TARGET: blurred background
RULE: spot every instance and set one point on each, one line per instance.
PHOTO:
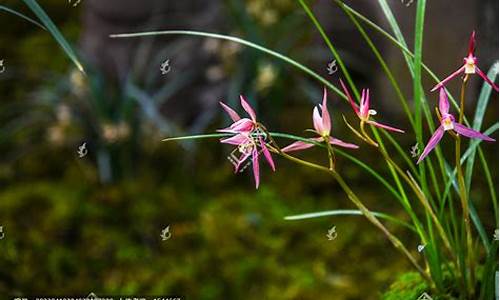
(78, 225)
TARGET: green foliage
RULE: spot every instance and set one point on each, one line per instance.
(408, 286)
(67, 236)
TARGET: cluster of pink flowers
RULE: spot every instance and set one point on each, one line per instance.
(447, 120)
(251, 138)
(322, 127)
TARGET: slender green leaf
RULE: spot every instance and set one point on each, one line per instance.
(482, 103)
(452, 182)
(329, 43)
(239, 41)
(382, 62)
(372, 172)
(347, 212)
(197, 137)
(490, 274)
(417, 68)
(52, 28)
(471, 149)
(2, 7)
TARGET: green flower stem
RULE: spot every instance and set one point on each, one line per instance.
(364, 210)
(463, 197)
(366, 135)
(421, 196)
(331, 155)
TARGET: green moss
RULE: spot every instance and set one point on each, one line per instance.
(409, 286)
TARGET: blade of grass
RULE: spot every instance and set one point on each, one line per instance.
(417, 74)
(402, 45)
(347, 212)
(473, 146)
(239, 41)
(482, 103)
(2, 7)
(409, 162)
(385, 67)
(397, 31)
(327, 40)
(329, 43)
(371, 171)
(52, 28)
(452, 182)
(490, 269)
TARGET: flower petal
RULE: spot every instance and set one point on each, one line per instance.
(472, 43)
(364, 106)
(325, 115)
(255, 163)
(317, 121)
(341, 143)
(297, 146)
(267, 154)
(386, 127)
(235, 140)
(351, 101)
(444, 104)
(433, 141)
(244, 125)
(232, 114)
(248, 108)
(480, 73)
(453, 75)
(471, 133)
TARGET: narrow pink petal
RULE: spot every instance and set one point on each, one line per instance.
(433, 141)
(443, 83)
(243, 125)
(341, 143)
(364, 106)
(248, 108)
(267, 154)
(235, 140)
(444, 104)
(232, 114)
(255, 163)
(351, 101)
(480, 73)
(297, 146)
(471, 133)
(472, 43)
(386, 127)
(317, 121)
(325, 115)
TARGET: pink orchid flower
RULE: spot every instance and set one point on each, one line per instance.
(322, 126)
(448, 123)
(240, 124)
(469, 67)
(248, 138)
(363, 111)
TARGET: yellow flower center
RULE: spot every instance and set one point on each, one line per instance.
(470, 66)
(448, 124)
